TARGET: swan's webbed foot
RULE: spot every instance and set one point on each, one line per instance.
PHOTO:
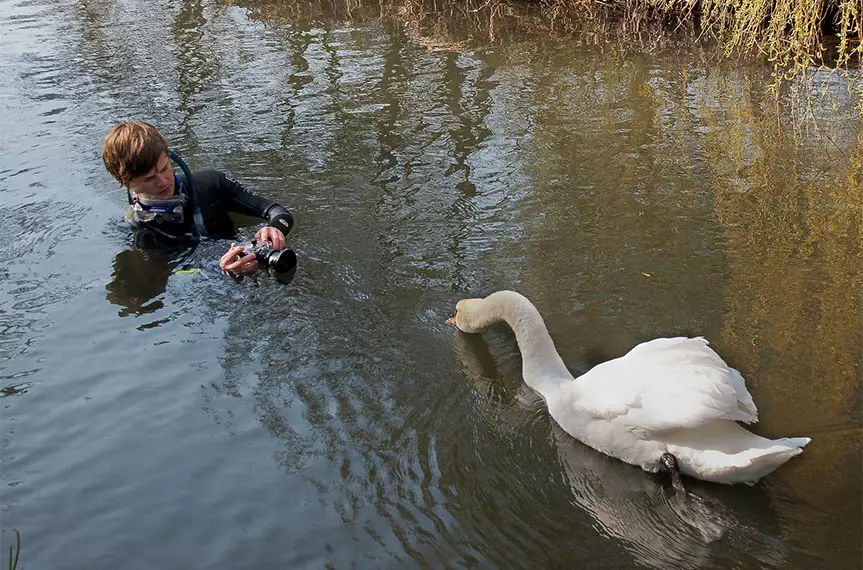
(668, 463)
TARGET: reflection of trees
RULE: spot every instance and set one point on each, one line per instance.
(120, 73)
(197, 66)
(150, 62)
(621, 206)
(793, 305)
(418, 114)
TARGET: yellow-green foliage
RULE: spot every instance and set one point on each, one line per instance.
(788, 32)
(793, 34)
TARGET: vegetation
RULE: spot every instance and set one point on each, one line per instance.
(793, 34)
(789, 32)
(13, 560)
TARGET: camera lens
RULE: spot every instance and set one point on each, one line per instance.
(280, 261)
(283, 260)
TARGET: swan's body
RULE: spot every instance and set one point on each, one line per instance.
(669, 395)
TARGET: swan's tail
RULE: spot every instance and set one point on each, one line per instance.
(744, 465)
(798, 442)
(764, 461)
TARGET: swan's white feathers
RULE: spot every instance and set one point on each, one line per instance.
(663, 384)
(669, 395)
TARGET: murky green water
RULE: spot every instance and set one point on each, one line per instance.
(179, 420)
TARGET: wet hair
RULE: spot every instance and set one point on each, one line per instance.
(132, 149)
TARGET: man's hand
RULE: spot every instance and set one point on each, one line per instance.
(272, 235)
(239, 265)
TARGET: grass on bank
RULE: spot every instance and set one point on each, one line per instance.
(13, 558)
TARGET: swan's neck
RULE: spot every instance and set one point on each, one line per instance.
(542, 366)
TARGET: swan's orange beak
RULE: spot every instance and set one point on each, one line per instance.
(451, 320)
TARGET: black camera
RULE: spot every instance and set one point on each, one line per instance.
(281, 261)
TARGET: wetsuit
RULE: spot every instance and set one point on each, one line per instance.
(217, 195)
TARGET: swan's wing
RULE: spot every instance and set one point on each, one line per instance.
(664, 384)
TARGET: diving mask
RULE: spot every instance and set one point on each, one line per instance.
(155, 209)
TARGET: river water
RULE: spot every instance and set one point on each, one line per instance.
(167, 418)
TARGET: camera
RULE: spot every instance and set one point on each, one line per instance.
(280, 261)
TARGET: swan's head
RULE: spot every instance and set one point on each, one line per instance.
(468, 316)
(476, 315)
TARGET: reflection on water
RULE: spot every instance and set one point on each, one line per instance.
(661, 528)
(328, 421)
(139, 277)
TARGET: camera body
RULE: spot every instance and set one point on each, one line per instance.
(281, 261)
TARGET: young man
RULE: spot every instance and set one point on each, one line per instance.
(167, 206)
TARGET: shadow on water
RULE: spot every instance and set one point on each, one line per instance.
(658, 527)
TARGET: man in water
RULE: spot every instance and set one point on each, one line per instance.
(167, 209)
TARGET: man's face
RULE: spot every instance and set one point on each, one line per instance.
(158, 182)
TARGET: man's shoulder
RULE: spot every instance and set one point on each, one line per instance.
(208, 175)
(211, 176)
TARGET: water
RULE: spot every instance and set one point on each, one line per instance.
(179, 420)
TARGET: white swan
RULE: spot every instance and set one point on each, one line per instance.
(666, 399)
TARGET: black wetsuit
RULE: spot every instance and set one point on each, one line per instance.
(217, 194)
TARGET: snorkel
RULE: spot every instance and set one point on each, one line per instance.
(200, 229)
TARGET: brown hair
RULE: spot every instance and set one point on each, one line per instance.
(132, 149)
